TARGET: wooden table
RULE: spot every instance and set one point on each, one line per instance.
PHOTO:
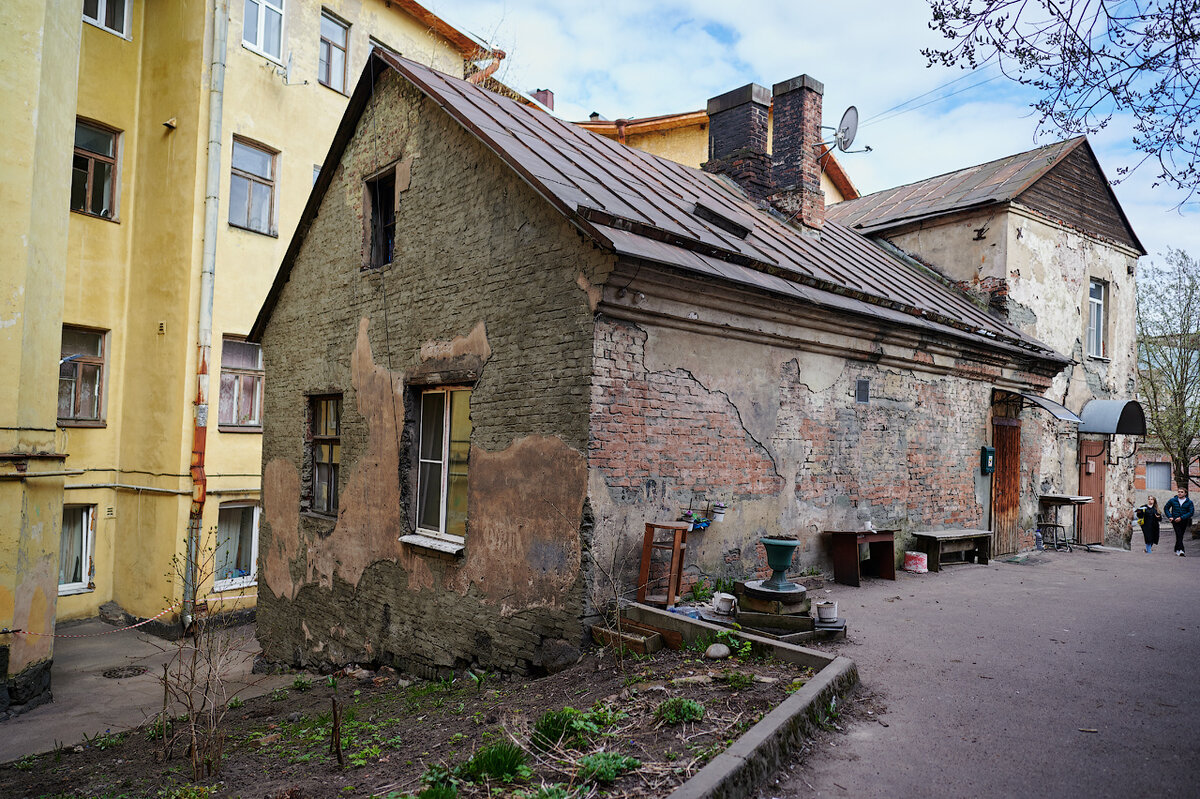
(974, 544)
(848, 569)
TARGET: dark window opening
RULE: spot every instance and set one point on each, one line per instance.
(383, 219)
(862, 391)
(325, 420)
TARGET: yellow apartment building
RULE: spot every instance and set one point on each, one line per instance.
(157, 158)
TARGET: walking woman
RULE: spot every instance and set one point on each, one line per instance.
(1179, 510)
(1149, 517)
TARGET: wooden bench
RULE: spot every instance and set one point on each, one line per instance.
(976, 545)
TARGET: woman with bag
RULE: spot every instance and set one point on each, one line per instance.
(1148, 519)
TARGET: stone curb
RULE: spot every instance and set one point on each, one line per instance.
(765, 747)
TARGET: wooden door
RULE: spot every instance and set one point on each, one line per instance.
(1091, 484)
(1006, 485)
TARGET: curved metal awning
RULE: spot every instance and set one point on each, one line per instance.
(1051, 407)
(1113, 416)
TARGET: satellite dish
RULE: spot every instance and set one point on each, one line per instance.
(847, 129)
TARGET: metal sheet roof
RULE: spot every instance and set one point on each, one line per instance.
(983, 184)
(614, 193)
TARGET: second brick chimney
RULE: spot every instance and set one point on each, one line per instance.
(795, 147)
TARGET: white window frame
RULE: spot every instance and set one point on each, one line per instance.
(250, 579)
(256, 45)
(1165, 466)
(102, 8)
(326, 14)
(444, 462)
(252, 178)
(87, 549)
(236, 373)
(1097, 320)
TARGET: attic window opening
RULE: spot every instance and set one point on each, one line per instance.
(382, 191)
(739, 227)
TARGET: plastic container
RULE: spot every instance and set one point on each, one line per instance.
(916, 562)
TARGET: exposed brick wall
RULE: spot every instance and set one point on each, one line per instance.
(662, 438)
(737, 139)
(474, 247)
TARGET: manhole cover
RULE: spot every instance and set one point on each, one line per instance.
(121, 672)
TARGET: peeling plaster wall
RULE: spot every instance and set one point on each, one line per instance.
(681, 417)
(488, 286)
(1047, 268)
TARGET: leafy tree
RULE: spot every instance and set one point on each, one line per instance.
(1090, 59)
(1168, 322)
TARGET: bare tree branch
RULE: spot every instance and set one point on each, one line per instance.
(1168, 322)
(1091, 59)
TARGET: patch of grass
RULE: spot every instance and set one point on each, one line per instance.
(106, 740)
(555, 791)
(605, 766)
(186, 792)
(724, 585)
(677, 710)
(737, 680)
(279, 695)
(26, 763)
(301, 684)
(236, 702)
(573, 728)
(504, 761)
(701, 591)
(740, 648)
(438, 792)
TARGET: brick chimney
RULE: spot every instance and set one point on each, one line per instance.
(545, 97)
(795, 144)
(737, 138)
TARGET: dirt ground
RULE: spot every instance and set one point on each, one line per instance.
(395, 733)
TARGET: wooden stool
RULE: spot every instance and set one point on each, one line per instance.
(677, 544)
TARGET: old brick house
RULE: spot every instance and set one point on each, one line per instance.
(498, 344)
(1041, 237)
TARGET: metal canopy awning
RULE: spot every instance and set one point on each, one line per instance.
(1051, 407)
(1113, 416)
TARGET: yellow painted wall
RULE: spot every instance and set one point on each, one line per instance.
(39, 42)
(688, 145)
(139, 276)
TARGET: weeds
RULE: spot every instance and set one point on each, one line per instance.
(677, 710)
(605, 766)
(737, 680)
(701, 591)
(571, 728)
(503, 761)
(301, 684)
(556, 791)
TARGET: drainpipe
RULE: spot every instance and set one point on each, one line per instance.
(208, 265)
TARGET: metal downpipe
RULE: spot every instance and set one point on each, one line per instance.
(208, 265)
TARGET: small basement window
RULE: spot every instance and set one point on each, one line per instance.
(862, 391)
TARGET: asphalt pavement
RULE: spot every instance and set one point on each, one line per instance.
(1064, 674)
(104, 679)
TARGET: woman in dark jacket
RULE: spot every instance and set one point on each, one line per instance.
(1149, 517)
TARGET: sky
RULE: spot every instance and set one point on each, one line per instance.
(637, 58)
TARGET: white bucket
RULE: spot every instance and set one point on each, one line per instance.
(826, 609)
(724, 603)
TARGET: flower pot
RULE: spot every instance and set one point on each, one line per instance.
(779, 558)
(718, 515)
(724, 603)
(826, 609)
